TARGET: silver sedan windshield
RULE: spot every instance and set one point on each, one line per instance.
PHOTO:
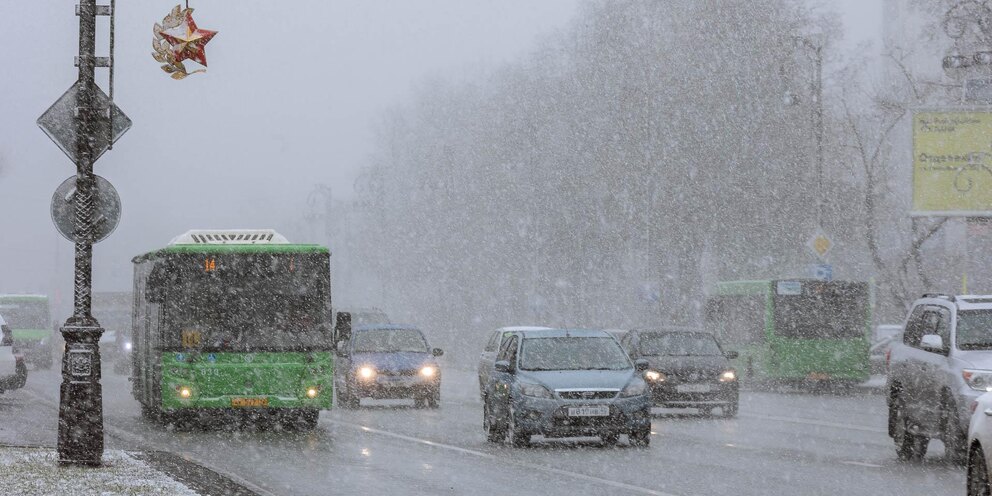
(572, 353)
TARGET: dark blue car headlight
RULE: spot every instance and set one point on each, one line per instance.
(428, 371)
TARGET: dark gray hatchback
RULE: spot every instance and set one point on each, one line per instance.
(688, 369)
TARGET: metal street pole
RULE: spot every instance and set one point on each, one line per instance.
(80, 439)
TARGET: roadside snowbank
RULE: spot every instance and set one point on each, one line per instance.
(35, 471)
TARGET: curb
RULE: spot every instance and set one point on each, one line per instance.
(180, 468)
(199, 478)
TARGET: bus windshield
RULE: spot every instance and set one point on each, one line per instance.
(250, 310)
(822, 310)
(25, 314)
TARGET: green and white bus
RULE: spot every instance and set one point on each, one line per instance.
(794, 330)
(30, 320)
(233, 322)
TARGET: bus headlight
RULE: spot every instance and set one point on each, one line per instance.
(185, 392)
(312, 392)
(728, 376)
(127, 346)
(366, 372)
(428, 371)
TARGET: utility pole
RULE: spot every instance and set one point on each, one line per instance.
(80, 394)
(92, 123)
(84, 123)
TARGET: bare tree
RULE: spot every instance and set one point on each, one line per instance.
(871, 130)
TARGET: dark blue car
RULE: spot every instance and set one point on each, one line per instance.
(387, 361)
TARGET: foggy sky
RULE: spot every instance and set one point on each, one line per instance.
(289, 100)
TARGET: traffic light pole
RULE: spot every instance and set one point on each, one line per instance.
(80, 440)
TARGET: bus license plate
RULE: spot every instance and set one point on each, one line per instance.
(589, 411)
(249, 402)
(693, 388)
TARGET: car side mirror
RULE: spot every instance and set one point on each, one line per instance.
(932, 342)
(641, 365)
(342, 327)
(504, 367)
(437, 352)
(731, 355)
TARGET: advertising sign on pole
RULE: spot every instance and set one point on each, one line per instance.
(952, 163)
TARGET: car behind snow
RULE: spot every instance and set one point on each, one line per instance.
(980, 446)
(13, 370)
(387, 361)
(566, 383)
(688, 369)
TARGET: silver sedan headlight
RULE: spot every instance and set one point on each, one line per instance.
(635, 388)
(535, 390)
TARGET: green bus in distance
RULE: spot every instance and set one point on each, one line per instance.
(794, 331)
(30, 320)
(234, 322)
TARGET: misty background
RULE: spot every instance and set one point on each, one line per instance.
(461, 161)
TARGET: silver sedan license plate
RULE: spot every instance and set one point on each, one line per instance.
(589, 411)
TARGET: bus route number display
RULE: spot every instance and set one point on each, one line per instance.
(191, 338)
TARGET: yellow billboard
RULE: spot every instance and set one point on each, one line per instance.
(952, 163)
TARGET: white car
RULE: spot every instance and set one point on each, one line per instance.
(980, 446)
(13, 370)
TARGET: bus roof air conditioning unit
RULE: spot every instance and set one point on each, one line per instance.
(230, 237)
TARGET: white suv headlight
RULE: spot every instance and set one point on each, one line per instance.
(636, 387)
(535, 390)
(979, 380)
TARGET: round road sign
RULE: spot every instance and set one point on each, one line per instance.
(106, 211)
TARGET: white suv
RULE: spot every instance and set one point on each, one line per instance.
(940, 367)
(13, 371)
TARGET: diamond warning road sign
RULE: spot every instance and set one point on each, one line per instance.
(820, 244)
(59, 122)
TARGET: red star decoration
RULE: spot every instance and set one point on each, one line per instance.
(188, 41)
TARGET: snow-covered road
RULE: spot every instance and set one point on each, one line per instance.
(782, 444)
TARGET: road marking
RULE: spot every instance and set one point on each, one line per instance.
(863, 464)
(140, 441)
(480, 454)
(821, 423)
